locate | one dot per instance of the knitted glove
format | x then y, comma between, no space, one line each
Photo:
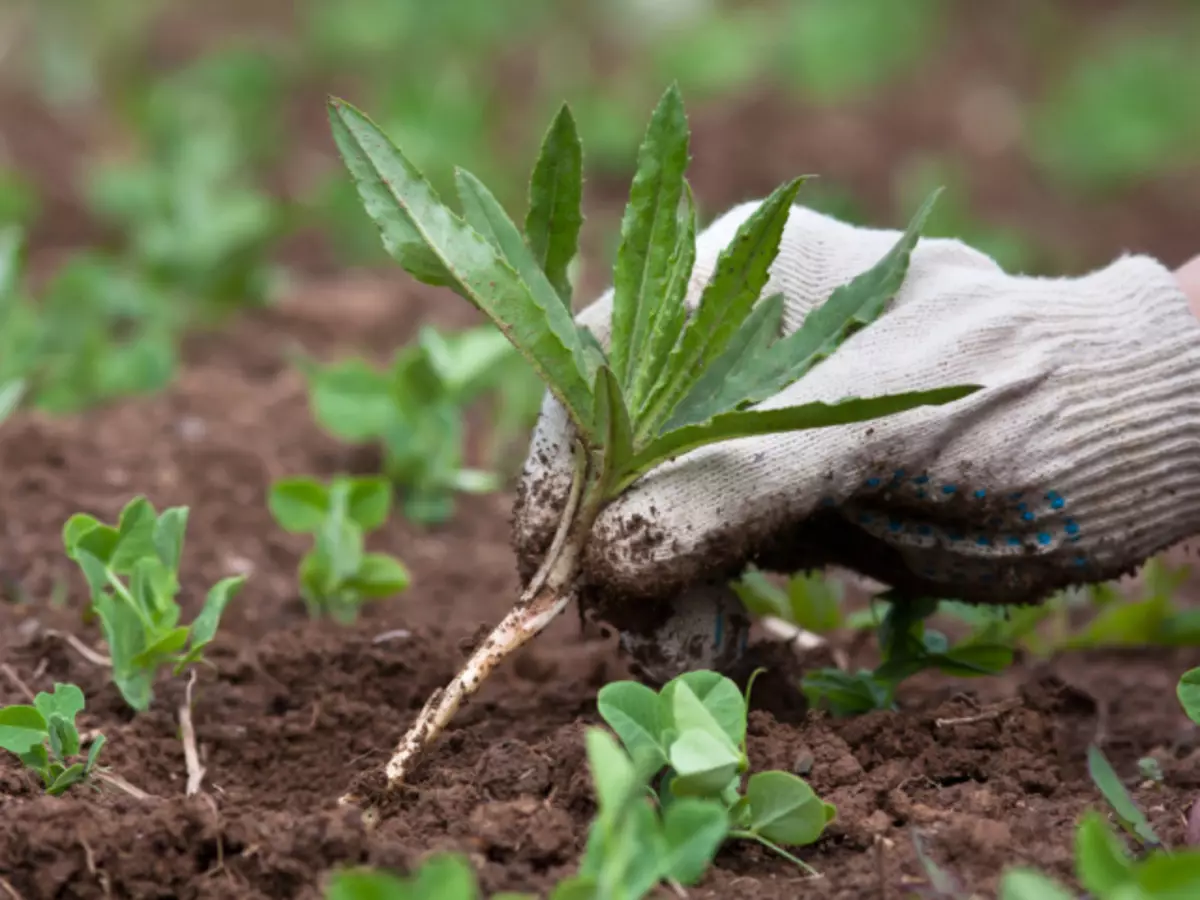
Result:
1078,459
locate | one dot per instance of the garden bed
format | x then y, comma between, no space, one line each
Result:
295,710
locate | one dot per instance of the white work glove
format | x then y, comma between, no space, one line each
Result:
1078,459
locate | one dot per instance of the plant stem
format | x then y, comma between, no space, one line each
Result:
775,848
548,593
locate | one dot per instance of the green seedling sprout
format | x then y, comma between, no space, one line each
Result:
665,380
690,739
132,569
907,646
337,576
415,410
632,846
44,737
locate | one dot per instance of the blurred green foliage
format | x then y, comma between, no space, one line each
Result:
204,153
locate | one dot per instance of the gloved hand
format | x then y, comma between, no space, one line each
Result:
1078,459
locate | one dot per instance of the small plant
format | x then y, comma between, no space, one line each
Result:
690,739
337,576
668,382
809,600
132,569
907,646
414,409
633,845
45,738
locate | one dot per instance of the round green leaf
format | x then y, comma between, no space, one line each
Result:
368,502
694,829
784,809
299,505
21,729
352,400
1188,691
379,575
632,710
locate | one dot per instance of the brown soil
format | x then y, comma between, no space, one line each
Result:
295,710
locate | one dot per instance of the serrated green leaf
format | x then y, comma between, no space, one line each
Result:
555,215
669,317
485,214
299,505
1105,777
694,830
378,576
848,310
22,728
785,810
612,428
741,273
1101,862
720,388
368,501
752,422
648,234
392,188
633,711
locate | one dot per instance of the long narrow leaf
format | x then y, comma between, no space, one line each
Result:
849,309
615,434
555,214
485,214
393,191
719,389
670,316
648,233
741,274
751,422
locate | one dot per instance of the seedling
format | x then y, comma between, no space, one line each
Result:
132,569
446,876
668,381
907,646
414,410
337,576
809,600
632,846
690,739
44,737
1107,871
